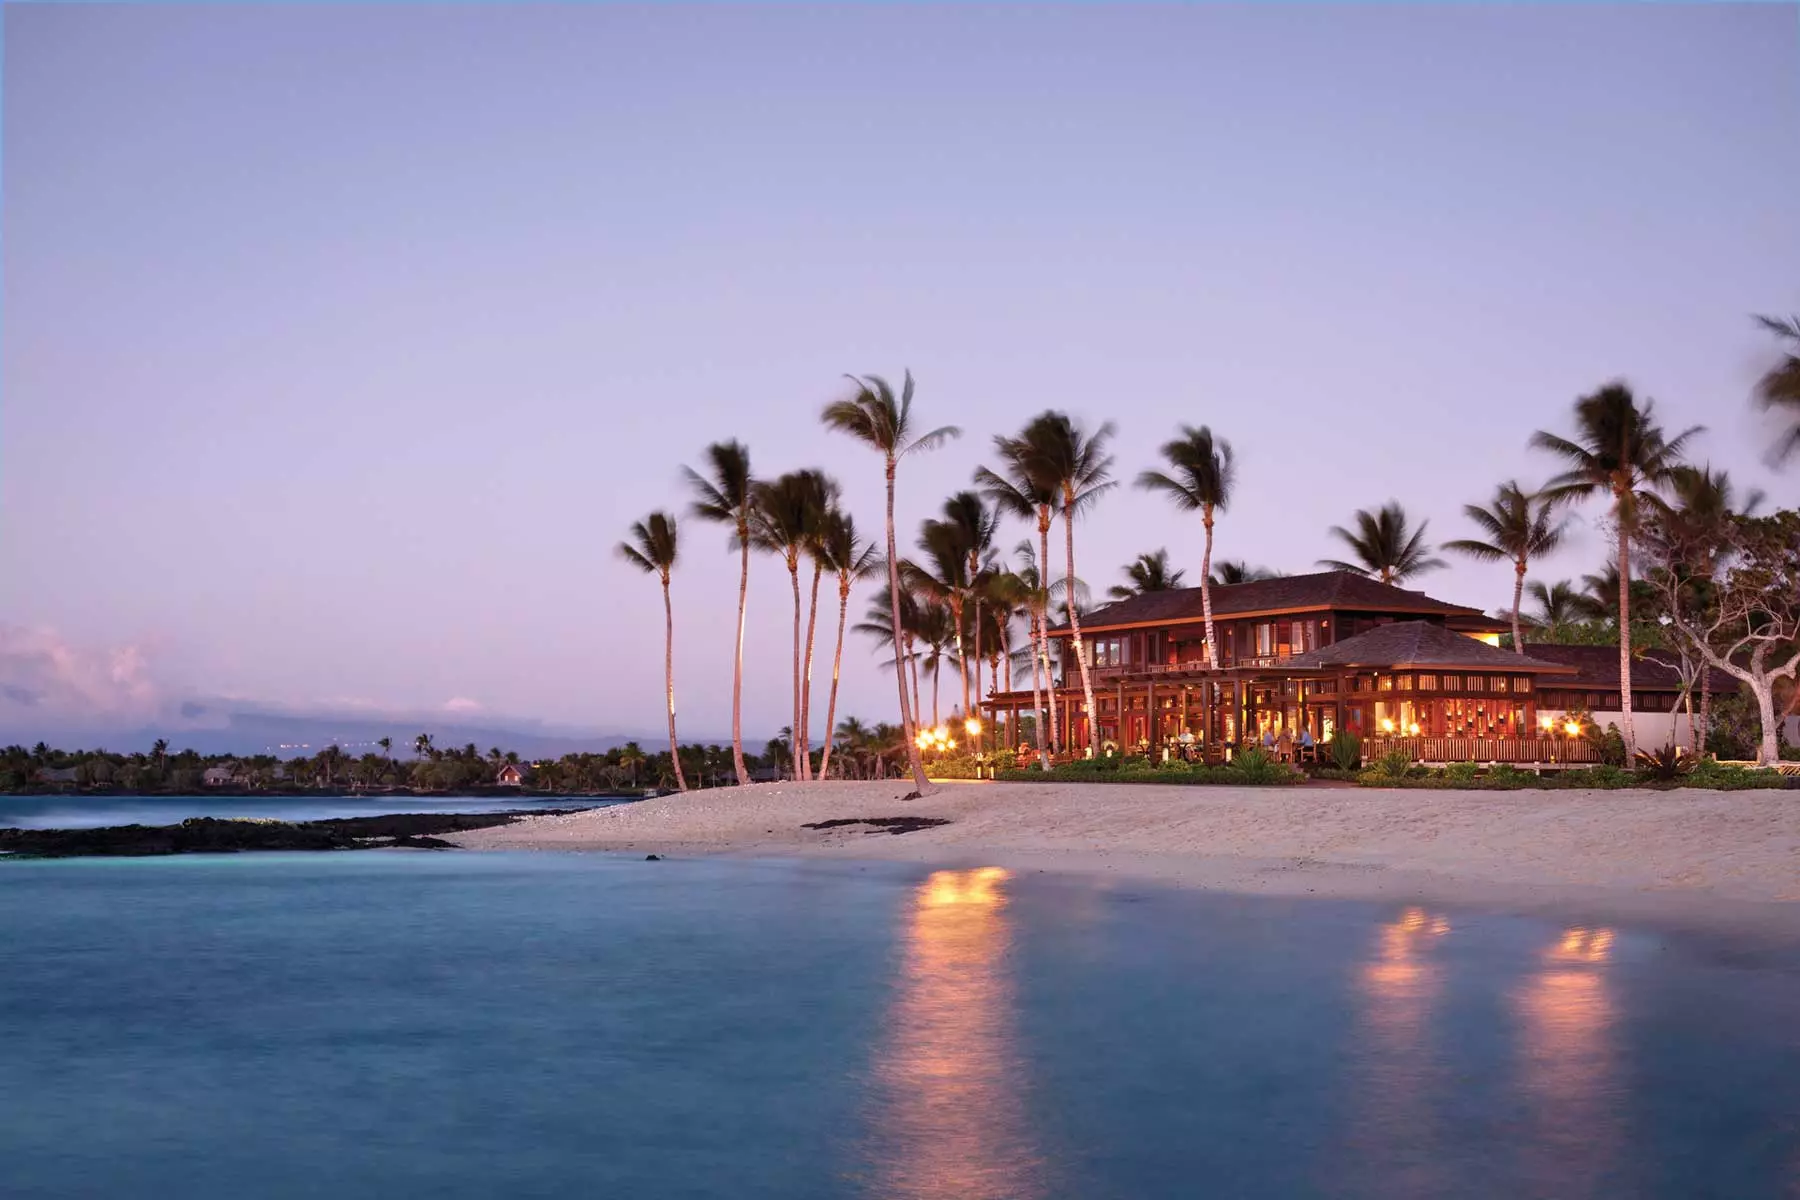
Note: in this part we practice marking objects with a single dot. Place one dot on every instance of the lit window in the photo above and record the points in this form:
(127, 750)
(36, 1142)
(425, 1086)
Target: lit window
(1453, 683)
(1475, 683)
(1403, 683)
(1428, 683)
(1497, 684)
(1384, 683)
(1522, 684)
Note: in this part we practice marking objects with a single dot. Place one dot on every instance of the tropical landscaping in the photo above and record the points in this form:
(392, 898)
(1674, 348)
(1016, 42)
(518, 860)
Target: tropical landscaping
(1708, 578)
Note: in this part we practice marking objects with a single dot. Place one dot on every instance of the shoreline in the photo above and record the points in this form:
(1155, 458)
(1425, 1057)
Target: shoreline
(1706, 863)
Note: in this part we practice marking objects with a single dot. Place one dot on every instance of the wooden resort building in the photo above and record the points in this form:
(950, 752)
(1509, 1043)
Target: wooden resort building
(1319, 653)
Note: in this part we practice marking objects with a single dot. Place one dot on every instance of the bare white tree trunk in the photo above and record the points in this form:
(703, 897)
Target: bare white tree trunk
(794, 728)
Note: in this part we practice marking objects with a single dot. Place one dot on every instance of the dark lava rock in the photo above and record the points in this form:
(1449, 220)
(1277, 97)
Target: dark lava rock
(894, 825)
(652, 858)
(211, 835)
(910, 796)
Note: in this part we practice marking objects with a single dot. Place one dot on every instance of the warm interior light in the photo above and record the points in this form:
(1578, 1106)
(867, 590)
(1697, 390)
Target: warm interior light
(972, 727)
(1546, 722)
(1572, 728)
(1413, 729)
(1387, 724)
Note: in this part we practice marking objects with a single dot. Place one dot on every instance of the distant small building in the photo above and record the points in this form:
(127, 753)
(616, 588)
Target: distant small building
(511, 775)
(219, 776)
(57, 774)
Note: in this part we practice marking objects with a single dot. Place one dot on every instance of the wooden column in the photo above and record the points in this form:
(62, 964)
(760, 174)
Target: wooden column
(1119, 726)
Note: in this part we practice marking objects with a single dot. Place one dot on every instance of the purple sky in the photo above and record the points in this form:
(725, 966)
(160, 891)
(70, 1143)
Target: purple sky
(342, 343)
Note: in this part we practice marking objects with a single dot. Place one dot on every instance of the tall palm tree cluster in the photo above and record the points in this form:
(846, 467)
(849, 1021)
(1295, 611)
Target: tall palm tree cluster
(956, 602)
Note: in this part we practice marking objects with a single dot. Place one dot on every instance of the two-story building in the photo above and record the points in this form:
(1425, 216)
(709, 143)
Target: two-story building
(1320, 652)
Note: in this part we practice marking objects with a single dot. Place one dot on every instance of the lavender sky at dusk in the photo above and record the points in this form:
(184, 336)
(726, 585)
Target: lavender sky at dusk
(342, 343)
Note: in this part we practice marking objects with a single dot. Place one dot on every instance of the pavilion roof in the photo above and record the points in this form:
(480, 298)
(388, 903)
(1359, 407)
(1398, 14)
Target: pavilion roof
(1404, 644)
(1320, 591)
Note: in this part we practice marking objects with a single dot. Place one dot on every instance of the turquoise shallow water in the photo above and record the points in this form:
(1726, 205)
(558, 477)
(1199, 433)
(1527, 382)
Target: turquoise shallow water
(92, 812)
(484, 1025)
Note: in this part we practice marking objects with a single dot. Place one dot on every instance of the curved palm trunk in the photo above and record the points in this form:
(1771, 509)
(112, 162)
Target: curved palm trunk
(937, 671)
(669, 681)
(812, 621)
(962, 660)
(1087, 679)
(1044, 623)
(1518, 594)
(1625, 644)
(970, 711)
(794, 728)
(1212, 643)
(906, 714)
(737, 670)
(912, 662)
(837, 662)
(1037, 700)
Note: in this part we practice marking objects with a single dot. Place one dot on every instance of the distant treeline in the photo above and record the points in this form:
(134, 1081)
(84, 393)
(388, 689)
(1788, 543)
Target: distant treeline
(422, 766)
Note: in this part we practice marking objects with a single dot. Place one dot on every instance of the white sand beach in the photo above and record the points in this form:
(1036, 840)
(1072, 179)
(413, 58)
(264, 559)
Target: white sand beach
(1687, 857)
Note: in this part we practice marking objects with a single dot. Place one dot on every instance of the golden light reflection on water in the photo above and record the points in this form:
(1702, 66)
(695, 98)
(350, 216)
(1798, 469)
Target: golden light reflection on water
(1396, 1114)
(949, 1118)
(1567, 1061)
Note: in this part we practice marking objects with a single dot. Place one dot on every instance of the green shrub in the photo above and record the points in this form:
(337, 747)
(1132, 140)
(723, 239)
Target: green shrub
(1346, 750)
(1394, 764)
(1667, 765)
(1612, 746)
(1256, 766)
(1461, 773)
(1505, 775)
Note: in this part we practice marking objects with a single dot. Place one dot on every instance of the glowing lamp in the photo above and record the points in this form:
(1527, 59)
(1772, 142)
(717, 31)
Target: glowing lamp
(972, 727)
(1546, 722)
(1572, 728)
(1387, 725)
(1413, 729)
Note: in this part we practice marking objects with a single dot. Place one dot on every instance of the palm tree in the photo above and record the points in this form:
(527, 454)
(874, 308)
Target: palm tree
(631, 757)
(1519, 528)
(938, 637)
(1385, 548)
(727, 497)
(852, 738)
(1148, 573)
(653, 550)
(851, 560)
(1559, 606)
(1779, 388)
(1020, 492)
(422, 745)
(883, 422)
(815, 551)
(387, 747)
(1200, 480)
(788, 512)
(1075, 466)
(159, 750)
(1618, 451)
(975, 525)
(1238, 571)
(1703, 508)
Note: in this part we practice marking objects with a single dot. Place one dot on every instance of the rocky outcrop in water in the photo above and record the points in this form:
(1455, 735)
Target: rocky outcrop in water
(212, 835)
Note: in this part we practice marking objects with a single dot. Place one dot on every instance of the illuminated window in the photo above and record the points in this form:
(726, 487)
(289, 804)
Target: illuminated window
(1428, 683)
(1497, 683)
(1522, 685)
(1475, 683)
(1384, 683)
(1403, 683)
(1453, 683)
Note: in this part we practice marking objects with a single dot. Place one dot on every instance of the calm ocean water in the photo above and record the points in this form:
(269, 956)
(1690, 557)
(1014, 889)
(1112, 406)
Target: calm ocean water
(497, 1025)
(92, 812)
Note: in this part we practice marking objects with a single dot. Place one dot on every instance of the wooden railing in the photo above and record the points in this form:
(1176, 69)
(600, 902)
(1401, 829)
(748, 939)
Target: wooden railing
(1483, 750)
